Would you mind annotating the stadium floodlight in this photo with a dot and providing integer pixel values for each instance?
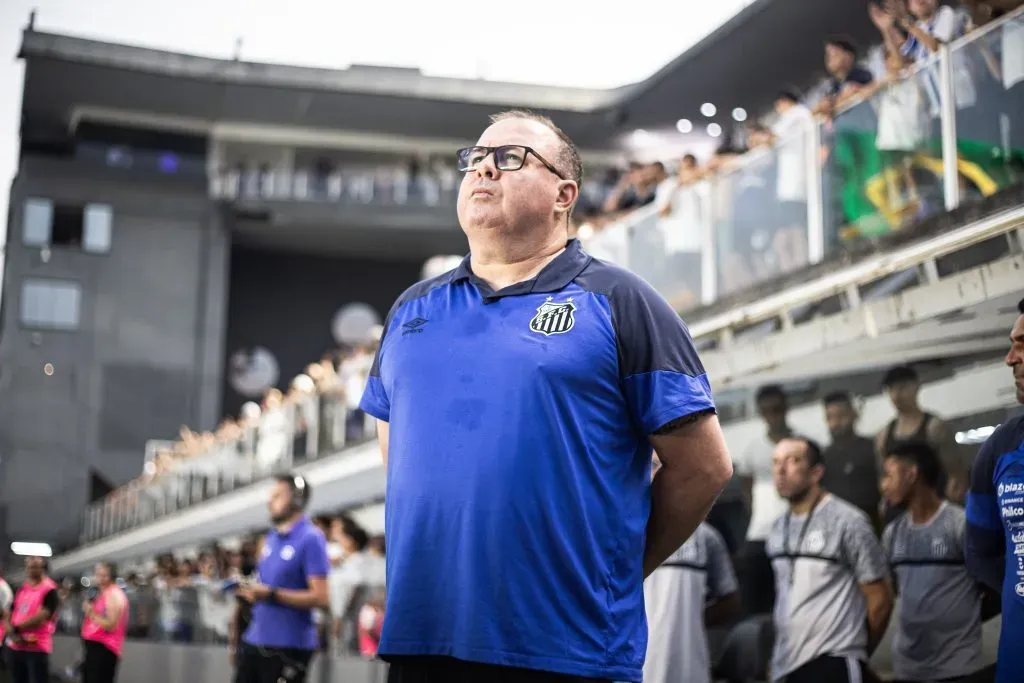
(708, 109)
(684, 125)
(714, 130)
(31, 549)
(739, 114)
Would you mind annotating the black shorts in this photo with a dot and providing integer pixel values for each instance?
(450, 670)
(271, 665)
(828, 669)
(100, 665)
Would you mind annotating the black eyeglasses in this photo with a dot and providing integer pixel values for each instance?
(506, 158)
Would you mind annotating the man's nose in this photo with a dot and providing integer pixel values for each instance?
(487, 167)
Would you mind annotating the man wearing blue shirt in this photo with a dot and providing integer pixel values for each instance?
(518, 398)
(282, 637)
(994, 543)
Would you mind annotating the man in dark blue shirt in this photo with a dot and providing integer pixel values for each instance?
(518, 399)
(281, 638)
(994, 545)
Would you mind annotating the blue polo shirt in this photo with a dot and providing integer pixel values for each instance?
(289, 560)
(995, 525)
(518, 482)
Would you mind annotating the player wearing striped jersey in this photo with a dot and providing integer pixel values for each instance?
(694, 588)
(938, 632)
(995, 519)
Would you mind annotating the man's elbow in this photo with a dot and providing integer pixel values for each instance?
(720, 471)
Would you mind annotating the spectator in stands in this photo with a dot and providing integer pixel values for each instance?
(214, 605)
(829, 616)
(179, 602)
(912, 424)
(637, 187)
(846, 78)
(104, 627)
(851, 463)
(272, 440)
(348, 581)
(69, 615)
(754, 469)
(376, 574)
(31, 624)
(140, 607)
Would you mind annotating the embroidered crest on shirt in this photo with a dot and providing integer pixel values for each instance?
(554, 317)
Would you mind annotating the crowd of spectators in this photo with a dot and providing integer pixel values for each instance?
(414, 181)
(751, 194)
(190, 598)
(316, 415)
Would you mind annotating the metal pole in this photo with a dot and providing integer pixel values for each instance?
(947, 113)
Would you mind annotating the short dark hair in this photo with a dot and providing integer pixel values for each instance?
(568, 156)
(844, 44)
(900, 373)
(769, 391)
(110, 567)
(788, 95)
(357, 533)
(838, 397)
(300, 492)
(1020, 306)
(922, 456)
(814, 453)
(693, 159)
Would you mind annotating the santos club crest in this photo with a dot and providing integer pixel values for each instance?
(553, 318)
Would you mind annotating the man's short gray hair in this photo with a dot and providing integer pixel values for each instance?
(568, 161)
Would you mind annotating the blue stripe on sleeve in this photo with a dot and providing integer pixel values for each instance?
(656, 398)
(983, 511)
(375, 400)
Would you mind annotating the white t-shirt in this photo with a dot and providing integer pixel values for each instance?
(344, 580)
(1012, 44)
(675, 595)
(756, 462)
(792, 129)
(683, 229)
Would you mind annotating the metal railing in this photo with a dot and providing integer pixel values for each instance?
(311, 427)
(942, 133)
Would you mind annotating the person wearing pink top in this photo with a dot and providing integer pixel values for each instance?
(31, 624)
(104, 626)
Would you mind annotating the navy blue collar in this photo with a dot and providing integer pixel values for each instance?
(553, 278)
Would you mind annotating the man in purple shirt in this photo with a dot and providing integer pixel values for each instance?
(292, 583)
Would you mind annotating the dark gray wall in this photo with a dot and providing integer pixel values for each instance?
(146, 358)
(285, 302)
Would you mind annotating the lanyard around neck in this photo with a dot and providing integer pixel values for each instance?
(800, 538)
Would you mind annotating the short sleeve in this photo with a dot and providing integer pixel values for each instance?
(662, 375)
(863, 552)
(945, 24)
(721, 575)
(375, 400)
(982, 508)
(315, 562)
(51, 601)
(887, 539)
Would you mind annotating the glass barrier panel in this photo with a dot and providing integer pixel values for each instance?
(988, 88)
(759, 216)
(882, 161)
(610, 243)
(665, 244)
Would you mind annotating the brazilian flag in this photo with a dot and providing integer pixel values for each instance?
(864, 175)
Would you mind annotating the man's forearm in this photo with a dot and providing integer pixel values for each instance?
(679, 503)
(879, 612)
(305, 599)
(36, 619)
